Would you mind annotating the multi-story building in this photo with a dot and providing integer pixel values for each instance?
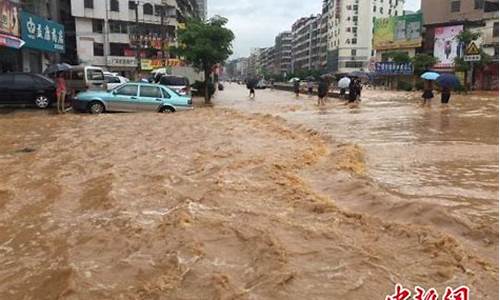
(283, 53)
(201, 6)
(306, 43)
(444, 19)
(266, 61)
(350, 31)
(254, 63)
(117, 34)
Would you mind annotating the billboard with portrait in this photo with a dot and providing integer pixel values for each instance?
(446, 45)
(9, 18)
(397, 32)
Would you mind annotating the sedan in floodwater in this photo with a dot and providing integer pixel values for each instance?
(132, 97)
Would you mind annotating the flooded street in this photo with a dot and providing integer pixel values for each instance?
(272, 199)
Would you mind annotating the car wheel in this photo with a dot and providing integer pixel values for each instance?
(96, 108)
(167, 110)
(42, 101)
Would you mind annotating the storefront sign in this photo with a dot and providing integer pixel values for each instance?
(152, 64)
(397, 32)
(9, 18)
(11, 41)
(393, 68)
(446, 46)
(42, 34)
(121, 61)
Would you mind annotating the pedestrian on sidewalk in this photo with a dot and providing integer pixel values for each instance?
(296, 88)
(61, 91)
(445, 95)
(428, 94)
(322, 91)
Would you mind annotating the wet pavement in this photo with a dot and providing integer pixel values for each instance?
(265, 199)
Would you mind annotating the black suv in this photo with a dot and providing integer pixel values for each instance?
(27, 88)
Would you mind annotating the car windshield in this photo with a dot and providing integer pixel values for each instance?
(93, 74)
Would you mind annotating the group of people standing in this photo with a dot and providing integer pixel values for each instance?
(323, 87)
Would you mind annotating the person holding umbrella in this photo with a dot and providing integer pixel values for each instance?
(61, 92)
(447, 82)
(428, 94)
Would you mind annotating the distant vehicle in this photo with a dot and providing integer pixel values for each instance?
(131, 97)
(262, 84)
(27, 89)
(113, 81)
(177, 83)
(82, 78)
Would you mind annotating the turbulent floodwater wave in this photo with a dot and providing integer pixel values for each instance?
(214, 203)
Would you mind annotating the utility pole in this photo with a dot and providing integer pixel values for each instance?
(138, 44)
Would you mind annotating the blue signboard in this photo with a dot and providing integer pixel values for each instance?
(393, 68)
(41, 34)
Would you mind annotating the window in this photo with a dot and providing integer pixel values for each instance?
(127, 90)
(355, 18)
(151, 92)
(118, 27)
(97, 25)
(349, 7)
(495, 30)
(6, 80)
(165, 93)
(22, 81)
(158, 10)
(88, 4)
(348, 29)
(354, 41)
(115, 5)
(374, 9)
(353, 52)
(98, 49)
(77, 75)
(111, 79)
(478, 4)
(455, 6)
(381, 10)
(93, 74)
(117, 49)
(132, 5)
(148, 9)
(355, 30)
(353, 64)
(390, 11)
(396, 13)
(355, 7)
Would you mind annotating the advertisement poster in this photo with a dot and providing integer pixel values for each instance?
(42, 34)
(446, 46)
(9, 18)
(398, 32)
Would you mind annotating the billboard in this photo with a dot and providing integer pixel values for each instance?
(397, 32)
(446, 46)
(9, 18)
(393, 68)
(41, 34)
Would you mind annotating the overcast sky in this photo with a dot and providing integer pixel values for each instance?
(256, 22)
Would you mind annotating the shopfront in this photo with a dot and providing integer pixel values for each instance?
(10, 42)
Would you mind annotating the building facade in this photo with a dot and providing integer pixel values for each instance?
(306, 43)
(283, 54)
(202, 6)
(350, 31)
(443, 20)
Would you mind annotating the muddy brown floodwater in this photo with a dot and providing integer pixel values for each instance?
(272, 199)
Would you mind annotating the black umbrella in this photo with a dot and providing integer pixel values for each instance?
(56, 68)
(359, 74)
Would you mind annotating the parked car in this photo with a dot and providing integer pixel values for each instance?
(113, 81)
(177, 83)
(82, 78)
(130, 97)
(27, 89)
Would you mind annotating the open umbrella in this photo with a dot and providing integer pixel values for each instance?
(359, 74)
(430, 76)
(448, 80)
(55, 68)
(344, 82)
(294, 79)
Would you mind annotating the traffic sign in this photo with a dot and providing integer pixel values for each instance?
(472, 49)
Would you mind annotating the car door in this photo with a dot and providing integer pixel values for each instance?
(123, 98)
(6, 81)
(24, 88)
(150, 98)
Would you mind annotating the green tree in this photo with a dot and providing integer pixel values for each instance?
(422, 62)
(205, 44)
(399, 57)
(465, 38)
